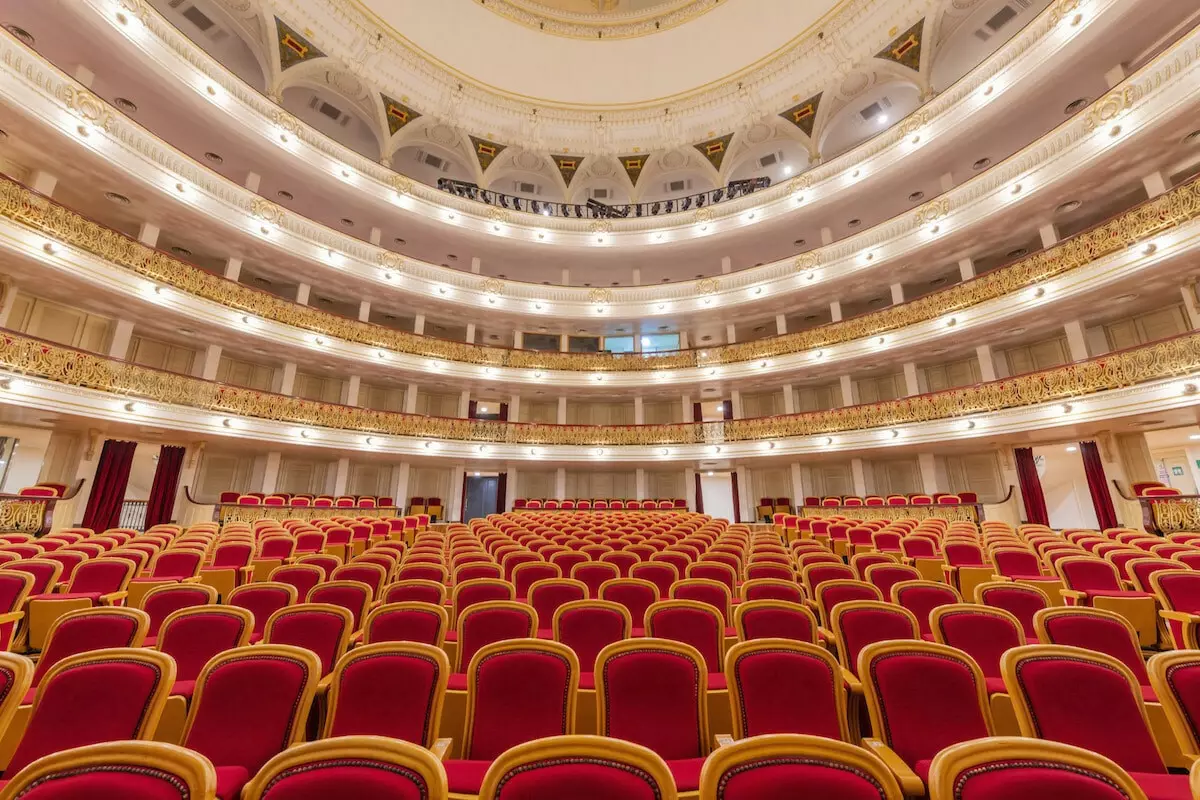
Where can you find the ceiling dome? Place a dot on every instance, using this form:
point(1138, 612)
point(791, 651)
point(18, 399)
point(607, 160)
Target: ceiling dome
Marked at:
point(601, 19)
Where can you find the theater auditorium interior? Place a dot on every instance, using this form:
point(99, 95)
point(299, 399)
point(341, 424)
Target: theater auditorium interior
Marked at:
point(599, 399)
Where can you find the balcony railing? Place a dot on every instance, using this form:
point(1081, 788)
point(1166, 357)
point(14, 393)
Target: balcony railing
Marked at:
point(594, 209)
point(133, 515)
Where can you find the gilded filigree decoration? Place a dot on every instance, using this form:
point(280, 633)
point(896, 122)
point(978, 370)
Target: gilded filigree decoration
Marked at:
point(401, 184)
point(85, 105)
point(1175, 515)
point(1167, 211)
point(959, 513)
point(1111, 106)
point(267, 211)
point(491, 286)
point(22, 516)
point(1063, 9)
point(708, 286)
point(931, 212)
point(41, 359)
point(601, 226)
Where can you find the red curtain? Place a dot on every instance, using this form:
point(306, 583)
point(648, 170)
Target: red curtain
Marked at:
point(501, 490)
point(472, 409)
point(697, 412)
point(737, 501)
point(504, 412)
point(699, 496)
point(727, 409)
point(462, 506)
point(1093, 467)
point(166, 483)
point(108, 486)
point(1031, 487)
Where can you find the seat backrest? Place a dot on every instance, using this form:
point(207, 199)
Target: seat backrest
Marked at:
point(922, 597)
point(177, 564)
point(963, 554)
point(302, 576)
point(492, 621)
point(518, 691)
point(771, 589)
point(778, 686)
point(193, 636)
point(635, 594)
point(87, 629)
point(424, 623)
point(981, 632)
point(923, 697)
point(588, 626)
point(480, 590)
point(653, 692)
point(413, 590)
point(118, 769)
point(858, 623)
point(1004, 767)
point(885, 576)
point(791, 765)
point(262, 600)
point(578, 766)
point(704, 590)
point(104, 695)
point(1023, 602)
point(354, 596)
point(392, 689)
point(526, 574)
point(372, 574)
point(161, 601)
point(1016, 562)
point(1094, 629)
point(830, 593)
point(1081, 698)
point(593, 574)
point(102, 576)
point(697, 624)
point(1085, 573)
point(774, 619)
point(660, 573)
point(251, 703)
point(321, 628)
point(1175, 676)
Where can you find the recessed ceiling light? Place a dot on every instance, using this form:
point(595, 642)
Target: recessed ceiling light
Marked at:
point(854, 223)
point(982, 163)
point(1015, 331)
point(347, 222)
point(666, 280)
point(125, 104)
point(917, 195)
point(1068, 207)
point(214, 158)
point(450, 256)
point(284, 194)
point(1075, 106)
point(1018, 253)
point(937, 281)
point(25, 36)
point(799, 243)
point(114, 197)
point(181, 251)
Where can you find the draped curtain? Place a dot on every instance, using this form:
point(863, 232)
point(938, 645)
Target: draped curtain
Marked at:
point(697, 412)
point(108, 486)
point(1031, 487)
point(737, 501)
point(166, 484)
point(1093, 467)
point(727, 409)
point(699, 495)
point(501, 491)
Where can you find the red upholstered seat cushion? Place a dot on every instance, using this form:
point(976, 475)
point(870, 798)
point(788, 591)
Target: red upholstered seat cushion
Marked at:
point(465, 776)
point(686, 772)
point(184, 689)
point(587, 631)
point(457, 682)
point(577, 779)
point(113, 782)
point(230, 781)
point(1160, 787)
point(345, 778)
point(387, 695)
point(94, 597)
point(1006, 780)
point(770, 777)
point(1094, 593)
point(451, 636)
point(519, 696)
point(995, 686)
point(716, 681)
point(587, 680)
point(922, 769)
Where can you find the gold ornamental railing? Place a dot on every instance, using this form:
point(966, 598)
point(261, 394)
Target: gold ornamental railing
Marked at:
point(1166, 358)
point(21, 205)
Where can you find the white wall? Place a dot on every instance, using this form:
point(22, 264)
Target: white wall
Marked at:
point(1065, 486)
point(717, 490)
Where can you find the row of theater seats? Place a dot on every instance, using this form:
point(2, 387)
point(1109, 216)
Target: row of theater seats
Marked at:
point(305, 500)
point(754, 639)
point(597, 504)
point(938, 498)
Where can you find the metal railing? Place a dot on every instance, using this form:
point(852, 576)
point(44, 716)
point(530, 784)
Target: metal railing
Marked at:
point(133, 515)
point(594, 209)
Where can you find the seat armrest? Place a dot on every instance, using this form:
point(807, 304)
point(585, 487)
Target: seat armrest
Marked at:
point(12, 616)
point(1178, 616)
point(852, 681)
point(1071, 594)
point(723, 739)
point(113, 598)
point(441, 748)
point(910, 784)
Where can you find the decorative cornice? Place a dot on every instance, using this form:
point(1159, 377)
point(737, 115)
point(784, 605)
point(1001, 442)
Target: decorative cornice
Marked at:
point(627, 25)
point(37, 358)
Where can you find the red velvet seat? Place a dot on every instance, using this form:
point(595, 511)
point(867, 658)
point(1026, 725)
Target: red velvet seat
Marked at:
point(374, 575)
point(361, 767)
point(635, 594)
point(393, 689)
point(1002, 768)
point(473, 592)
point(193, 636)
point(518, 691)
point(320, 628)
point(117, 770)
point(84, 631)
point(981, 632)
point(1023, 602)
point(15, 587)
point(354, 596)
point(922, 697)
point(653, 692)
point(775, 619)
point(46, 572)
point(858, 623)
point(262, 600)
point(1096, 630)
point(772, 589)
point(662, 574)
point(548, 595)
point(160, 602)
point(886, 575)
point(526, 574)
point(780, 686)
point(582, 767)
point(488, 622)
point(414, 591)
point(794, 766)
point(922, 597)
point(1178, 596)
point(105, 695)
point(1175, 678)
point(301, 576)
point(423, 623)
point(593, 574)
point(249, 705)
point(1089, 700)
point(830, 593)
point(100, 581)
point(588, 626)
point(693, 623)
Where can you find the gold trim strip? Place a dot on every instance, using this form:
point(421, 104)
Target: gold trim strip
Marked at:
point(38, 358)
point(1179, 206)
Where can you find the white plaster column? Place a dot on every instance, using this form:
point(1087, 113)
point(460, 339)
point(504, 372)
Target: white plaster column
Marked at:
point(730, 334)
point(84, 75)
point(562, 411)
point(302, 292)
point(518, 340)
point(1116, 75)
point(233, 268)
point(946, 181)
point(182, 511)
point(118, 346)
point(912, 386)
point(780, 324)
point(211, 362)
point(470, 333)
point(341, 476)
point(835, 310)
point(564, 343)
point(271, 472)
point(410, 398)
point(566, 277)
point(735, 399)
point(400, 477)
point(1049, 234)
point(847, 387)
point(351, 389)
point(798, 491)
point(287, 379)
point(454, 509)
point(859, 474)
point(464, 404)
point(789, 399)
point(639, 411)
point(636, 279)
point(987, 364)
point(683, 340)
point(1076, 340)
point(689, 488)
point(897, 293)
point(510, 489)
point(419, 325)
point(376, 236)
point(928, 464)
point(6, 307)
point(826, 236)
point(253, 181)
point(1156, 183)
point(43, 182)
point(1188, 293)
point(966, 269)
point(747, 503)
point(726, 265)
point(514, 409)
point(640, 484)
point(148, 234)
point(686, 405)
point(364, 310)
point(476, 265)
point(560, 483)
